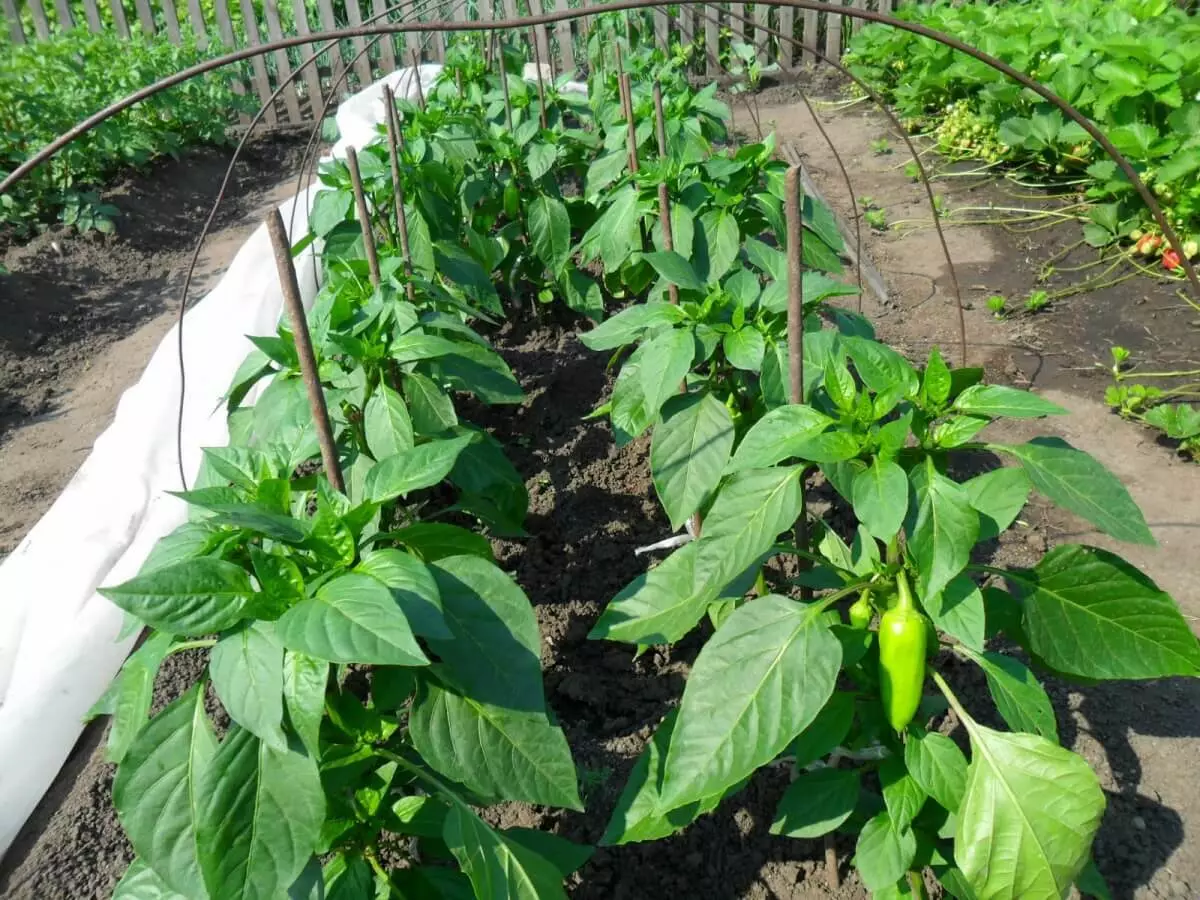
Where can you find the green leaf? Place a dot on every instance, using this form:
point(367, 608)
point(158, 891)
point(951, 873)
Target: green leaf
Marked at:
point(826, 731)
point(630, 324)
point(499, 869)
point(1028, 817)
point(935, 383)
point(723, 238)
point(902, 794)
point(567, 856)
point(938, 766)
point(1019, 698)
point(157, 793)
point(247, 673)
point(128, 698)
point(540, 158)
point(352, 619)
point(330, 208)
point(140, 883)
point(880, 497)
point(411, 470)
point(652, 374)
point(494, 654)
point(1179, 421)
point(388, 426)
point(675, 269)
point(1090, 613)
point(193, 598)
point(1078, 483)
point(431, 408)
point(880, 367)
point(777, 436)
point(751, 510)
point(995, 400)
point(550, 232)
point(757, 683)
point(944, 532)
point(412, 587)
point(745, 348)
point(958, 610)
point(498, 753)
point(663, 605)
point(260, 814)
point(304, 682)
point(688, 453)
point(817, 803)
point(998, 496)
point(416, 346)
point(432, 541)
point(638, 815)
point(884, 852)
point(1090, 882)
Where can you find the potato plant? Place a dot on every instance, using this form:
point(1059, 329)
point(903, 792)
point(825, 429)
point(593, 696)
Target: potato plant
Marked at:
point(372, 676)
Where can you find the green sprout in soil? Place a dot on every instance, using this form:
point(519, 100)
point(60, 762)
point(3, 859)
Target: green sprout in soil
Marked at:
point(1037, 301)
point(881, 147)
point(997, 305)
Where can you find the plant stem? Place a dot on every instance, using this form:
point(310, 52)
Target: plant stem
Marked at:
point(198, 644)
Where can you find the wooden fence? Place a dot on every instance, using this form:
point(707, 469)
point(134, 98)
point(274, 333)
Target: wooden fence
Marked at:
point(563, 44)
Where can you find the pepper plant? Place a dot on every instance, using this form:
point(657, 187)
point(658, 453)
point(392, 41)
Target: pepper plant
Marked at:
point(782, 680)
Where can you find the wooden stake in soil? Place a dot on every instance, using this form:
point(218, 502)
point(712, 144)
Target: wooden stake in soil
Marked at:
point(364, 215)
point(664, 200)
point(631, 125)
point(537, 61)
point(416, 70)
point(395, 141)
point(504, 86)
point(304, 349)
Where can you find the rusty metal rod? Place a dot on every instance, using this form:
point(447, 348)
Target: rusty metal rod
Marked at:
point(304, 349)
point(395, 141)
point(537, 62)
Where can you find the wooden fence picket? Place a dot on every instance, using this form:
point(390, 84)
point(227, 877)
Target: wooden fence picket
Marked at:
point(261, 81)
point(41, 25)
point(171, 21)
point(199, 27)
point(145, 16)
point(283, 65)
point(15, 32)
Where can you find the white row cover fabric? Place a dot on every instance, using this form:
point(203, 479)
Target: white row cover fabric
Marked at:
point(58, 647)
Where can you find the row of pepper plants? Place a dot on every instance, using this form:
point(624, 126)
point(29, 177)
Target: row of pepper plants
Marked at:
point(380, 674)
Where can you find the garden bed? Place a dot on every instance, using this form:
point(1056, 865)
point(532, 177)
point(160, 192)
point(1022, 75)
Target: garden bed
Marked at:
point(591, 505)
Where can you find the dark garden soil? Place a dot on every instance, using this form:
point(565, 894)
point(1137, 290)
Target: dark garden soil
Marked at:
point(593, 504)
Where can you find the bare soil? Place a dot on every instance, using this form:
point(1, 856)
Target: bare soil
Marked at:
point(592, 504)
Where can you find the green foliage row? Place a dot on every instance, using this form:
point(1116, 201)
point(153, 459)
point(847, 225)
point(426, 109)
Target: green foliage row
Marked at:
point(1131, 66)
point(47, 87)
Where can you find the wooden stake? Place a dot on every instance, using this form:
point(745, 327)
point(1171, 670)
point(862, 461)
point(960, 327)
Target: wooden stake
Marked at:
point(304, 349)
point(416, 70)
point(504, 86)
point(664, 199)
point(795, 252)
point(537, 61)
point(364, 215)
point(631, 125)
point(395, 141)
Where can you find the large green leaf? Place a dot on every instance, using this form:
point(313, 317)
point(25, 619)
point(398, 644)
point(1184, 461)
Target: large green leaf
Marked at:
point(817, 803)
point(494, 654)
point(413, 588)
point(689, 451)
point(1090, 613)
point(410, 470)
point(944, 531)
point(996, 400)
point(757, 684)
point(304, 682)
point(140, 883)
point(745, 348)
point(387, 423)
point(778, 435)
point(499, 869)
point(752, 509)
point(902, 794)
point(675, 269)
point(638, 815)
point(431, 408)
point(958, 610)
point(998, 496)
point(880, 367)
point(351, 619)
point(884, 852)
point(550, 232)
point(652, 373)
point(157, 791)
point(630, 324)
point(1019, 698)
point(501, 754)
point(247, 673)
point(1078, 483)
point(1028, 817)
point(880, 496)
point(128, 698)
point(194, 597)
point(260, 814)
point(938, 766)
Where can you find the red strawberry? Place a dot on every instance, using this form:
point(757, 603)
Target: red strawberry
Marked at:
point(1147, 244)
point(1171, 260)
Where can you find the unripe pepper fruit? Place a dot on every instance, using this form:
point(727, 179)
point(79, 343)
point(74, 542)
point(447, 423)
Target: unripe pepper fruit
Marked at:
point(902, 643)
point(861, 612)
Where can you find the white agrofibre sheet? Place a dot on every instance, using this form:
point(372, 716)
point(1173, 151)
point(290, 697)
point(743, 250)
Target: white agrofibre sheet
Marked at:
point(58, 637)
point(58, 647)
